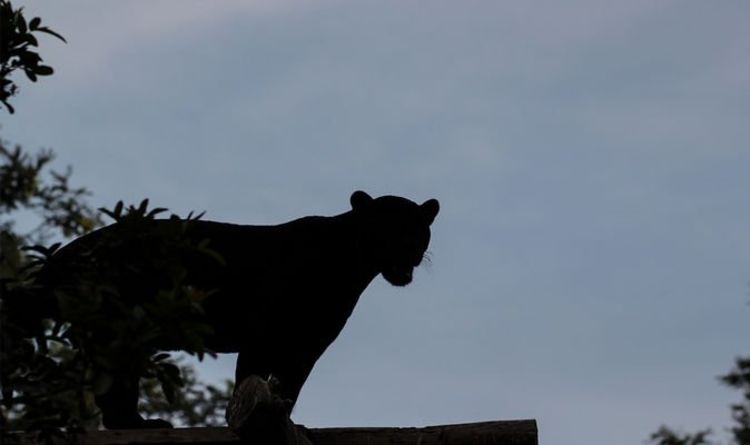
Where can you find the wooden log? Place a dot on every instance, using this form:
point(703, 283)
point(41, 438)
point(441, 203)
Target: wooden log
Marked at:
point(513, 432)
point(518, 432)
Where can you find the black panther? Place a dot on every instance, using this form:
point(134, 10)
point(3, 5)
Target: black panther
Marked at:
point(282, 293)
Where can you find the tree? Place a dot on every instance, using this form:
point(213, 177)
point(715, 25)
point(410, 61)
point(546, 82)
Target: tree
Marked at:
point(56, 350)
point(196, 404)
point(17, 38)
point(58, 207)
point(59, 350)
point(738, 378)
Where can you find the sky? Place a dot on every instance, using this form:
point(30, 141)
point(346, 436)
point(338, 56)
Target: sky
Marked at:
point(591, 260)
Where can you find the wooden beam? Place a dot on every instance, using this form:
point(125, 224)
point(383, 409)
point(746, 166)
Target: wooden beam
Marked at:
point(513, 432)
point(518, 432)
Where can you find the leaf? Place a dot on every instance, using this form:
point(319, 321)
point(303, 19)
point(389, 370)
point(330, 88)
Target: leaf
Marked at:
point(118, 208)
point(10, 108)
point(116, 213)
point(44, 70)
point(168, 390)
point(103, 382)
point(139, 313)
point(190, 216)
point(171, 371)
point(30, 58)
point(34, 23)
point(155, 212)
point(30, 74)
point(142, 207)
point(45, 252)
point(20, 22)
point(161, 356)
point(49, 31)
point(31, 40)
point(168, 375)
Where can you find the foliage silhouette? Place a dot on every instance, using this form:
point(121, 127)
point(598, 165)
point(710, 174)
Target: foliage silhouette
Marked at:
point(196, 404)
point(667, 436)
point(738, 378)
point(46, 381)
point(36, 375)
point(17, 38)
point(61, 347)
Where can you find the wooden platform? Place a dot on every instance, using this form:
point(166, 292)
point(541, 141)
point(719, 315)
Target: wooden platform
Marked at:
point(509, 432)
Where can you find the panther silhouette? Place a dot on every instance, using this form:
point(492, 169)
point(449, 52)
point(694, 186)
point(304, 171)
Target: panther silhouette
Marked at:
point(283, 293)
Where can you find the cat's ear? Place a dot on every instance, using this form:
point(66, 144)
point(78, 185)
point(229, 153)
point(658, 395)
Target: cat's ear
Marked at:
point(430, 209)
point(360, 200)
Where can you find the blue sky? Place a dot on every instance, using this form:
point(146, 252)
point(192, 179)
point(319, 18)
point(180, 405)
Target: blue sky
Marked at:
point(591, 259)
